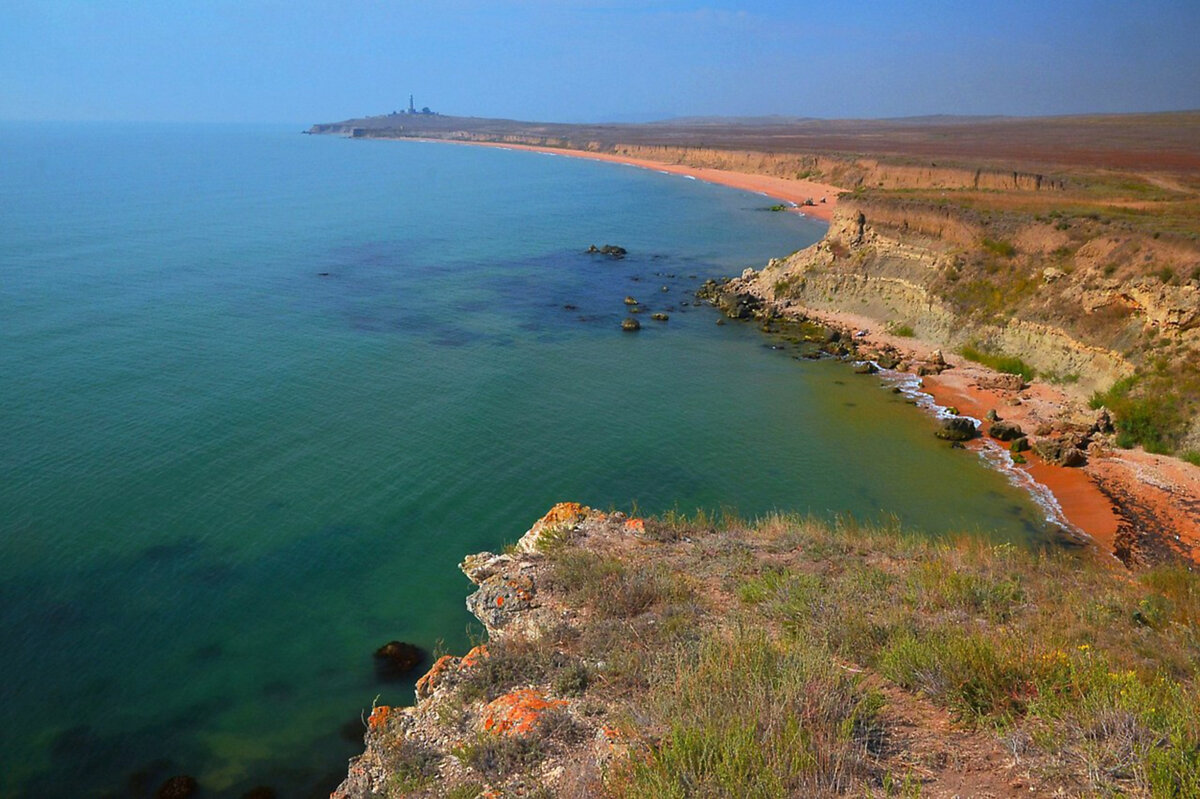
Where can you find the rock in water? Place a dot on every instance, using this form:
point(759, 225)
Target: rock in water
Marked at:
point(957, 428)
point(631, 325)
point(659, 317)
point(395, 659)
point(179, 787)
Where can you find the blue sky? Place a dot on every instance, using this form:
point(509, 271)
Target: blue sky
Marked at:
point(591, 60)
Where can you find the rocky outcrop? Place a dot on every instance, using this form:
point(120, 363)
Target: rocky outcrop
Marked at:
point(470, 719)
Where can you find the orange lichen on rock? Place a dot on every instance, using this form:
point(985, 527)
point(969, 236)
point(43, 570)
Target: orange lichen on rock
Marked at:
point(433, 678)
point(564, 513)
point(379, 716)
point(517, 713)
point(474, 656)
point(635, 525)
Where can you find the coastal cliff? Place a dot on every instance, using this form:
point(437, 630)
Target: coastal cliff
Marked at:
point(1072, 299)
point(629, 657)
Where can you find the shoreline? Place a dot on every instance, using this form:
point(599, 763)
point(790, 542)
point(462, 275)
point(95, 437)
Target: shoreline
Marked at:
point(1132, 505)
point(788, 190)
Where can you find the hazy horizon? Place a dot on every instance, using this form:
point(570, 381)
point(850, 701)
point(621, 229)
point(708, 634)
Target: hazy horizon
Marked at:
point(591, 60)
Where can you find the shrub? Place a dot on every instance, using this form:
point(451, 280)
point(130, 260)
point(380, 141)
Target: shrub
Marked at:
point(904, 331)
point(1001, 248)
point(1151, 418)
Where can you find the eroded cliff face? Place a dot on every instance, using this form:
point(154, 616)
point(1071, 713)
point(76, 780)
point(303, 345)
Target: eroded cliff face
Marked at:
point(1074, 303)
point(848, 171)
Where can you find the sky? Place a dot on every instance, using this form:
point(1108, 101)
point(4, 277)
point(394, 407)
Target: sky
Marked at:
point(302, 61)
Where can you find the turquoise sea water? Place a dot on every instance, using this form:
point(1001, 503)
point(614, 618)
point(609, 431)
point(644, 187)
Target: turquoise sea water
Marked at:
point(260, 392)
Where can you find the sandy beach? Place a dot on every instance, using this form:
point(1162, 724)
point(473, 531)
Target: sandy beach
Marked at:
point(783, 189)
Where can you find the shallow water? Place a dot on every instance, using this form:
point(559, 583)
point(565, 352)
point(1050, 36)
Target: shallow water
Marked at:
point(263, 391)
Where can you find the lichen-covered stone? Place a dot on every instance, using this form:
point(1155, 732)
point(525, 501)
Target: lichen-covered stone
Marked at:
point(517, 713)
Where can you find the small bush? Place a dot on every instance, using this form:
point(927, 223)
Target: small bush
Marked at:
point(904, 331)
point(1192, 456)
point(1001, 248)
point(498, 756)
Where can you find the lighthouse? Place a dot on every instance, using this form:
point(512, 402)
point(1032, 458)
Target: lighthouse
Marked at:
point(411, 109)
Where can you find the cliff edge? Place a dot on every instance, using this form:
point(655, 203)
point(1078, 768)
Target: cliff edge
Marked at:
point(632, 657)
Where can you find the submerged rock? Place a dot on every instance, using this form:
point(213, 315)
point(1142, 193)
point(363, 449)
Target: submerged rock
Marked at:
point(178, 787)
point(395, 659)
point(866, 368)
point(630, 301)
point(260, 792)
point(659, 317)
point(957, 428)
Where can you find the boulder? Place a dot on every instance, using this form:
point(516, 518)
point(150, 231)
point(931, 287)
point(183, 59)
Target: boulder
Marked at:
point(659, 317)
point(1001, 381)
point(630, 301)
point(738, 306)
point(611, 250)
point(957, 428)
point(1019, 445)
point(866, 368)
point(1006, 431)
point(1059, 452)
point(396, 659)
point(631, 325)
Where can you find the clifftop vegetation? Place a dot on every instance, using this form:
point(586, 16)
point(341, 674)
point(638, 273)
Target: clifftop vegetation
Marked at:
point(785, 657)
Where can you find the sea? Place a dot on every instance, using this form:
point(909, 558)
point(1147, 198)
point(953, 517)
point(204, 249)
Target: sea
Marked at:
point(260, 392)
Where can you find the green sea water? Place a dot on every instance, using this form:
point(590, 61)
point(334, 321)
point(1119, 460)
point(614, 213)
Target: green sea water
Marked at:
point(260, 392)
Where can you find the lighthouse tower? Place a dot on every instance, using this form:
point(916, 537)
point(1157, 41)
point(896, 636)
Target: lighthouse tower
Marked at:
point(411, 108)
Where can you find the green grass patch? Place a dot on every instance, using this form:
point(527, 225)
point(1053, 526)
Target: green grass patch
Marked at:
point(749, 717)
point(998, 361)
